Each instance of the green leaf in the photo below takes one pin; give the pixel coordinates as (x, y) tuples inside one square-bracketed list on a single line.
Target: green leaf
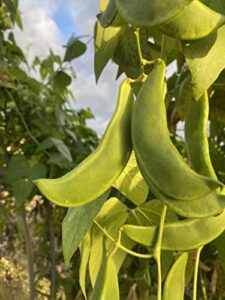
[(85, 252), (106, 40), (76, 224), (100, 277), (62, 148), (107, 281), (17, 168), (199, 56), (21, 190), (106, 18), (126, 52), (74, 49), (149, 213), (111, 217), (37, 171), (131, 183), (61, 80), (175, 282)]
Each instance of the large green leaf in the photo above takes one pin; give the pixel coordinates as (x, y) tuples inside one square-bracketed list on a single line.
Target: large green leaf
[(21, 190), (175, 282), (17, 168), (205, 59), (131, 183), (37, 171), (106, 40), (126, 52), (107, 281), (76, 224), (111, 217)]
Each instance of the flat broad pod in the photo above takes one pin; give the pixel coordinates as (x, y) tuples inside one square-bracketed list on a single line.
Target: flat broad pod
[(95, 175), (206, 206), (159, 161), (181, 235), (149, 13), (194, 22), (196, 140)]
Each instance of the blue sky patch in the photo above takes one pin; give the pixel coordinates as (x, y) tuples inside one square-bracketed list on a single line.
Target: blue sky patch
[(65, 23)]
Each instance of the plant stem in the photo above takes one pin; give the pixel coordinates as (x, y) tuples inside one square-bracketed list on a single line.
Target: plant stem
[(118, 245), (157, 251), (162, 55), (195, 283), (29, 252), (204, 292), (137, 37), (52, 252)]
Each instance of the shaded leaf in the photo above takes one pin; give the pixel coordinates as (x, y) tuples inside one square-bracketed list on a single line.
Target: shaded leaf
[(85, 251), (199, 57), (17, 168), (131, 183), (61, 80), (106, 40), (62, 148), (76, 224), (74, 49), (37, 171), (21, 190)]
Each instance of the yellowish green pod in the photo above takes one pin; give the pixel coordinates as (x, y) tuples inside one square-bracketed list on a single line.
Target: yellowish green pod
[(196, 140), (181, 235), (149, 13), (159, 161), (174, 285), (99, 170), (194, 22)]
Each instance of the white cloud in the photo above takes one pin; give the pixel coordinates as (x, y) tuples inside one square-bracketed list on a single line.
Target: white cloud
[(40, 31)]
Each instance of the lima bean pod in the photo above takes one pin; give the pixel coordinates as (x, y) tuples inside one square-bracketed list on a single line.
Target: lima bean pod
[(175, 281), (196, 136), (149, 13), (181, 235), (206, 206), (194, 22), (159, 161), (99, 170)]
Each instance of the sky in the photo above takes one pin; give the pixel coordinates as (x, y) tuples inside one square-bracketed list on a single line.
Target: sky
[(49, 24)]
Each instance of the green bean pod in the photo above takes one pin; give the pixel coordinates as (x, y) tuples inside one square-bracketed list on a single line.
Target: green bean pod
[(182, 235), (149, 13), (175, 281), (98, 171), (196, 140), (206, 206), (194, 22), (159, 161)]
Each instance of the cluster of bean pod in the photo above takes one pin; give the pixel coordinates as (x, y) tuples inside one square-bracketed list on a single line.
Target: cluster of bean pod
[(140, 124)]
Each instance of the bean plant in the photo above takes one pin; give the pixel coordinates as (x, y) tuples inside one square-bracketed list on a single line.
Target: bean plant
[(141, 197)]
